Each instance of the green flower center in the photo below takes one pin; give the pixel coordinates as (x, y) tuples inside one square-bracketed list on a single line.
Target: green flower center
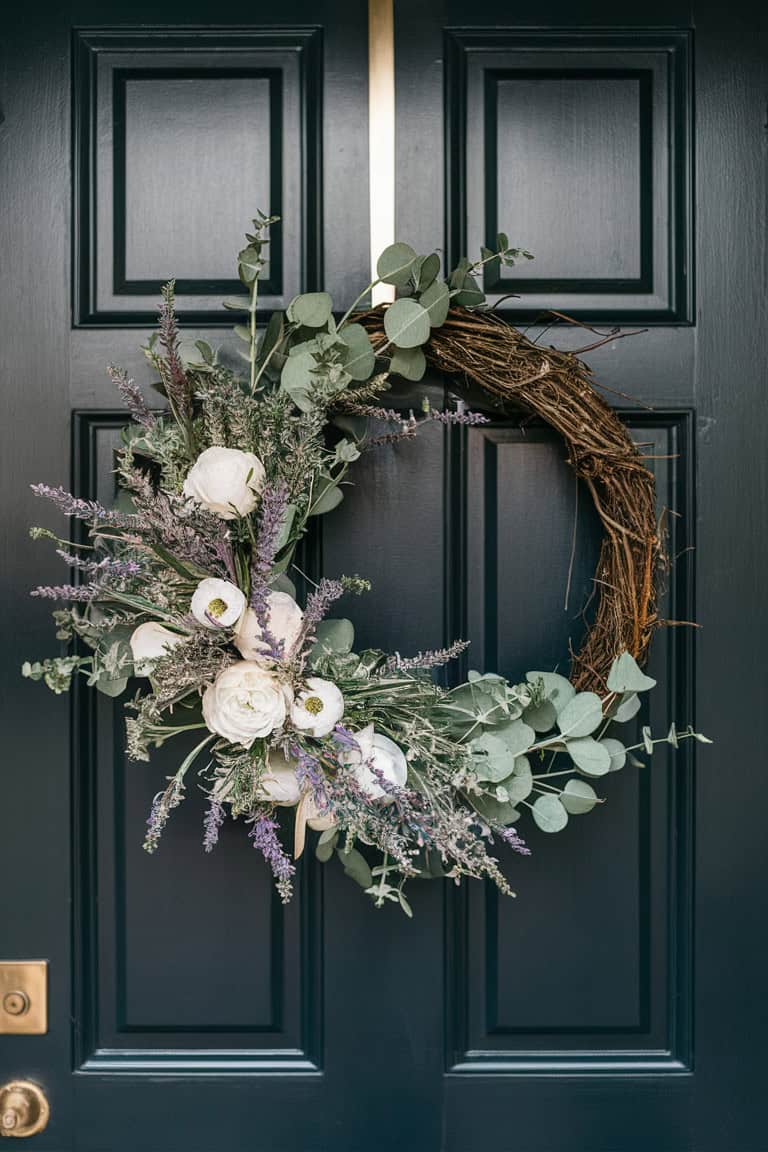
[(217, 608), (313, 705)]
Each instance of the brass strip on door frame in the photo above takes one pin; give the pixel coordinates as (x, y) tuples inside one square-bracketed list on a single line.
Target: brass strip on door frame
[(381, 135)]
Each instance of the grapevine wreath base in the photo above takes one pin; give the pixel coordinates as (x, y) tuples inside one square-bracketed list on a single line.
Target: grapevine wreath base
[(186, 597), (481, 348)]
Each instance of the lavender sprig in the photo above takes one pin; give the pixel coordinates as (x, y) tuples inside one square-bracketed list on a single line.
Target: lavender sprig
[(309, 773), (515, 842), (265, 839), (175, 381), (271, 515), (131, 397), (461, 416), (65, 591), (86, 509), (432, 658), (162, 806), (108, 566), (214, 818)]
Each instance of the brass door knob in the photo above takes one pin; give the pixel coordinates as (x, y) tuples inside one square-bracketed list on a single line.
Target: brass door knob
[(24, 1109)]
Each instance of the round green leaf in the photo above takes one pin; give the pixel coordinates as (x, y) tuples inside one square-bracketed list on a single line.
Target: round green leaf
[(406, 323), (360, 361), (625, 676), (549, 814), (312, 309), (617, 753), (356, 867), (491, 759), (395, 264), (517, 736), (589, 756), (469, 294), (541, 717), (556, 687), (581, 715), (629, 707), (437, 300), (493, 810), (296, 379), (333, 637), (428, 271), (578, 797), (410, 363), (249, 264), (520, 783), (330, 498)]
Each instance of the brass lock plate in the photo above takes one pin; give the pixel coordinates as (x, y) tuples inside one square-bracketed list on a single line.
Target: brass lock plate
[(23, 997)]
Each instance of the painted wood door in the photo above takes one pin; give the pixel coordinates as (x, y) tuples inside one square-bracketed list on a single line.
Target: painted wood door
[(614, 1006)]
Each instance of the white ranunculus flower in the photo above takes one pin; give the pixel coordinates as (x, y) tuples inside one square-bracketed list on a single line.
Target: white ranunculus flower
[(375, 751), (245, 702), (279, 783), (225, 481), (317, 708), (149, 642), (284, 621), (217, 603)]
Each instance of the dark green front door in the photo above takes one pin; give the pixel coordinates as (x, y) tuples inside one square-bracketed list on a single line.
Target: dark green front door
[(616, 1005)]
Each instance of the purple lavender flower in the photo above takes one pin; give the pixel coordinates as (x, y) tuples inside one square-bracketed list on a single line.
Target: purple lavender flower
[(271, 515), (310, 773), (510, 837), (177, 386), (423, 660), (344, 737), (65, 592), (108, 566), (461, 416), (214, 818), (266, 840), (131, 397), (85, 509)]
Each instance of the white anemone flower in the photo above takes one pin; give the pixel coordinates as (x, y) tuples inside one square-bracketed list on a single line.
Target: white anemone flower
[(217, 603), (317, 708)]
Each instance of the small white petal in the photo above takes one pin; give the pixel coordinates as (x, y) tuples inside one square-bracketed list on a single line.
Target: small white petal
[(318, 708), (217, 603)]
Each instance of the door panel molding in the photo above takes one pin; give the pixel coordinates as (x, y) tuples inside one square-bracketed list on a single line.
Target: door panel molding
[(621, 1000), (622, 98), (145, 122), (263, 1015)]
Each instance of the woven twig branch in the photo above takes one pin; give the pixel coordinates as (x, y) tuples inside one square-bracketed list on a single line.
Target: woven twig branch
[(481, 349)]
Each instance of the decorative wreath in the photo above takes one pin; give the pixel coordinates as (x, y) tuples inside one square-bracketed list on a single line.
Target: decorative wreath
[(190, 584)]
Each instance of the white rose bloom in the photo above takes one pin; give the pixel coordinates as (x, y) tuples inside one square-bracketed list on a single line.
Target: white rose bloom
[(149, 642), (225, 481), (284, 620), (380, 753), (217, 603), (279, 783), (245, 702), (317, 708)]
